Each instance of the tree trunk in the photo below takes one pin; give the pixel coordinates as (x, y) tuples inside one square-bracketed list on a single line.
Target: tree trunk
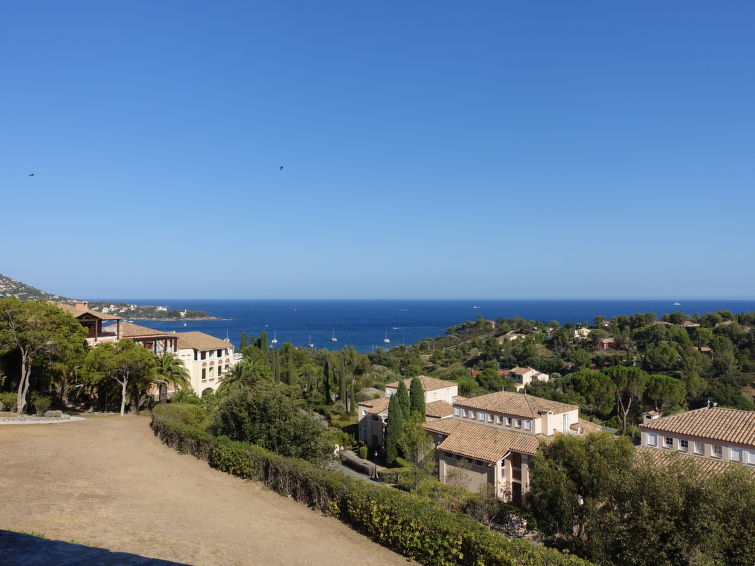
[(124, 385), (163, 388), (23, 384)]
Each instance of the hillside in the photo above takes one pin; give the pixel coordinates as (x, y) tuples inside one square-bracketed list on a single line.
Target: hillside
[(12, 288)]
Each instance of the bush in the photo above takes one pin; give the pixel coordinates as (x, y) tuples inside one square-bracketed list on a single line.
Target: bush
[(41, 403), (363, 452), (9, 401), (401, 521), (266, 416)]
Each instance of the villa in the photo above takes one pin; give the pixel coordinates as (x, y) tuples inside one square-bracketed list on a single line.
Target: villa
[(207, 359), (525, 376), (92, 321), (156, 341)]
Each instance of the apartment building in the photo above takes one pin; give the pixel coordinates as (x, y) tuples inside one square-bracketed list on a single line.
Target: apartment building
[(207, 359), (711, 434)]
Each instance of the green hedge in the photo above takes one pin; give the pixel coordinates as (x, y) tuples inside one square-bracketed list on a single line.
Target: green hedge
[(397, 520)]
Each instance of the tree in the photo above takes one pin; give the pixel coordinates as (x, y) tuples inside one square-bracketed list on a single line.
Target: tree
[(394, 429), (665, 393), (572, 478), (246, 373), (38, 331), (595, 389), (417, 398), (170, 371), (663, 356), (581, 358), (403, 399), (265, 415), (418, 448), (629, 385), (126, 362), (244, 340)]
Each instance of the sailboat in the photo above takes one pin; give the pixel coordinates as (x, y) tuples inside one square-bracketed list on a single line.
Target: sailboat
[(275, 338), (333, 338), (386, 339)]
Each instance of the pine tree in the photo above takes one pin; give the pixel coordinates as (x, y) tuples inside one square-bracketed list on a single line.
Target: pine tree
[(403, 399), (417, 398), (394, 430)]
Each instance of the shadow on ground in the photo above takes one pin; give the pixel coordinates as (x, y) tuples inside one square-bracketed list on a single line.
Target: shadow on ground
[(18, 549)]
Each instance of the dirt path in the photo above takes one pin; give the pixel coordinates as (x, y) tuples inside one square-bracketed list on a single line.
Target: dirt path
[(108, 481)]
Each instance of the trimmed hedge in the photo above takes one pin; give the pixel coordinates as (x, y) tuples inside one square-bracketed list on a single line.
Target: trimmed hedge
[(397, 520)]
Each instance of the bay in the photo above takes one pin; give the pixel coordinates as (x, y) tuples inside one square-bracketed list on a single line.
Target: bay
[(365, 324)]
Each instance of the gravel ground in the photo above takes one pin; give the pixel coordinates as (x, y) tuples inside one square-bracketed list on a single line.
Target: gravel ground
[(108, 482)]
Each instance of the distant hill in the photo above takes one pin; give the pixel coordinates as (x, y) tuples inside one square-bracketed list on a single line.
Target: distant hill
[(12, 288)]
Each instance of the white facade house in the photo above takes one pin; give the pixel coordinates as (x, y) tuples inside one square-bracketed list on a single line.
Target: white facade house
[(524, 376), (207, 359)]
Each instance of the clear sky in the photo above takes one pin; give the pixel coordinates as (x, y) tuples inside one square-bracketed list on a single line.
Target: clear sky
[(438, 149)]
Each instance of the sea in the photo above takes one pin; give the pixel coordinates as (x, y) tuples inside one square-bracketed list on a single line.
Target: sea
[(367, 324)]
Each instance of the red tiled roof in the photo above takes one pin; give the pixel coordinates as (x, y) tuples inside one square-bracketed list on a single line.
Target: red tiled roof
[(715, 423)]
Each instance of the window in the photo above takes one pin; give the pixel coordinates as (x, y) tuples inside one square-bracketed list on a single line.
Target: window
[(204, 373), (669, 442), (519, 423), (651, 440), (465, 412), (220, 353), (699, 448), (203, 355), (457, 411), (717, 451), (498, 419), (684, 445), (508, 421), (735, 454), (472, 415), (490, 418), (527, 425)]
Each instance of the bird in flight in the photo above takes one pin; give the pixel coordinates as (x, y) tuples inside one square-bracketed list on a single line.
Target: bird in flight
[(32, 174), (280, 167)]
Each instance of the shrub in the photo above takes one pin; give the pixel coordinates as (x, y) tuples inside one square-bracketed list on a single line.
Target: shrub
[(41, 402), (9, 401), (266, 416), (363, 451), (408, 524)]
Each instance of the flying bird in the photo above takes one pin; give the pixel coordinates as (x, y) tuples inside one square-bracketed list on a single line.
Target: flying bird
[(32, 174), (280, 167)]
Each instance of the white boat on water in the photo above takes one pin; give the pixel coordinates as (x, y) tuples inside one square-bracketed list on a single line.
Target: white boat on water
[(309, 342), (386, 339), (333, 338), (275, 338), (677, 304)]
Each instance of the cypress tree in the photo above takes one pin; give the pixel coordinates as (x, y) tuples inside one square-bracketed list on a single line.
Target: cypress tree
[(263, 341), (417, 398), (403, 399), (394, 429), (243, 341), (326, 380)]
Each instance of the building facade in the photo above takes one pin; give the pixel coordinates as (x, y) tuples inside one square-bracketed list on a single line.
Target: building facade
[(207, 359), (710, 433)]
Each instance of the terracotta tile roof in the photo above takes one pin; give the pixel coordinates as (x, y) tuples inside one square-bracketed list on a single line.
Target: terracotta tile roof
[(428, 383), (482, 442), (129, 330), (517, 404), (476, 372), (585, 426), (376, 406), (714, 423), (458, 398), (439, 409), (78, 312), (199, 341), (657, 457)]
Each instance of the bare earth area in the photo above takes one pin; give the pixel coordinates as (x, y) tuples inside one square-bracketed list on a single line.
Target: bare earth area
[(109, 482)]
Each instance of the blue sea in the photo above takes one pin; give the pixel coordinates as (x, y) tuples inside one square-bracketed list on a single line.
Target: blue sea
[(365, 324)]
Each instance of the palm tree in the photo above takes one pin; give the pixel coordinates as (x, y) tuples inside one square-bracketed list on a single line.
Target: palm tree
[(246, 373), (170, 370)]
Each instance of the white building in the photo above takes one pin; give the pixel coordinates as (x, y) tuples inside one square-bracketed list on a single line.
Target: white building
[(207, 359)]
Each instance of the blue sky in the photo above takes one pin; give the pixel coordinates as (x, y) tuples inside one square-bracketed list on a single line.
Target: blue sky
[(430, 149)]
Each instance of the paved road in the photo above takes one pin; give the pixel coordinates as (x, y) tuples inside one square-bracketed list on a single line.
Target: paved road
[(108, 482)]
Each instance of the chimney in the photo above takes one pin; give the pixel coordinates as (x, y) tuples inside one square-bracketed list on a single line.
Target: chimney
[(81, 305)]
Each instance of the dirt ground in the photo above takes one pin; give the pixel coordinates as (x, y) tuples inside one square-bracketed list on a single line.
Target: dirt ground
[(108, 481)]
